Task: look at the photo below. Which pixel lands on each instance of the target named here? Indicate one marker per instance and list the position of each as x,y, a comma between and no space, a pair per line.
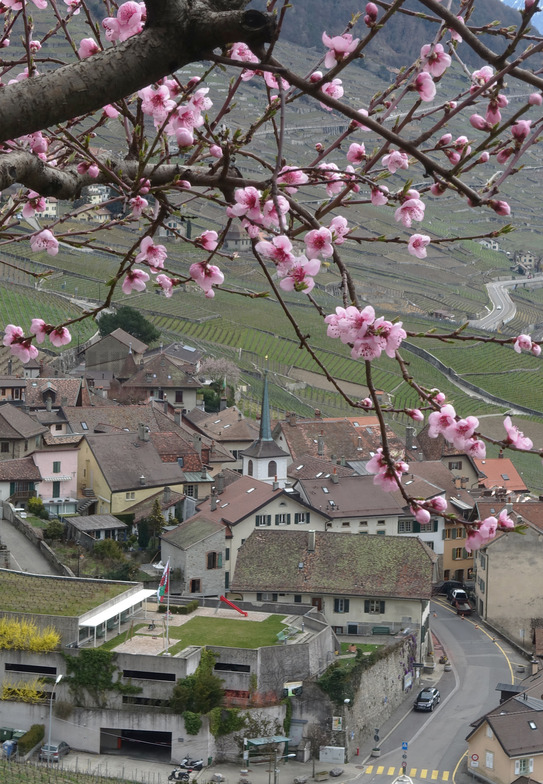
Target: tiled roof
138,346
530,511
123,458
145,507
238,500
309,467
16,424
499,472
340,564
23,468
164,373
170,446
192,531
51,440
99,522
63,391
351,495
512,728
430,478
11,382
224,425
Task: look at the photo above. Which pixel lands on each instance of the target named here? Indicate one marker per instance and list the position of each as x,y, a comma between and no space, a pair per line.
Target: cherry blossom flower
151,254
438,188
396,160
369,335
110,111
74,5
438,503
35,203
129,21
40,329
348,323
521,129
134,280
87,48
504,154
515,437
421,514
479,123
356,153
206,276
292,178
387,477
299,276
319,243
334,90
279,249
481,77
138,204
34,46
207,240
371,14
215,151
247,204
493,114
504,521
379,196
417,245
88,168
269,211
156,103
481,534
411,210
415,414
60,336
338,48
500,207
46,241
339,229
199,102
356,124
435,59
424,85
523,342
535,99
20,346
536,349
241,52
166,284
334,182
440,421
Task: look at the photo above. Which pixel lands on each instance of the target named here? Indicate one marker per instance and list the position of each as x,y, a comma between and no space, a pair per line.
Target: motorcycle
178,774
189,764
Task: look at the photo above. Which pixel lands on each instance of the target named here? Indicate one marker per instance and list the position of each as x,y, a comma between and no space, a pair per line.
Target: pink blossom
536,349
454,35
292,178
110,111
247,203
339,47
521,129
315,77
356,124
334,90
367,403
379,196
207,240
269,211
74,6
421,514
299,276
60,336
424,85
481,535
371,14
87,48
396,160
380,336
435,59
128,22
241,52
215,151
438,188
479,123
334,182
482,76
85,167
484,157
411,210
438,503
252,230
535,99
138,204
34,46
515,437
417,245
40,329
440,421
445,140
387,477
166,284
319,243
523,342
200,101
156,103
144,186
151,254
356,153
206,276
46,241
279,250
500,207
415,414
134,280
19,345
504,521
339,229
504,154
35,203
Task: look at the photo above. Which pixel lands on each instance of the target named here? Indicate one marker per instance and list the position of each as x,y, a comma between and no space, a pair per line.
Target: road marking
369,769
412,772
435,774
391,771
380,769
445,775
423,773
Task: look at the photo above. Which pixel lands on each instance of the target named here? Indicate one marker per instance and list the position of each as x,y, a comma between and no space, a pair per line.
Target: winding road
503,308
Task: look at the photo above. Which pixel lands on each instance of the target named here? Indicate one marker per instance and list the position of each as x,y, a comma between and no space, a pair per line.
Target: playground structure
231,604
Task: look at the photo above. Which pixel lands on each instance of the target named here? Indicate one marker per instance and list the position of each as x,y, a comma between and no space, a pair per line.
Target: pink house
58,488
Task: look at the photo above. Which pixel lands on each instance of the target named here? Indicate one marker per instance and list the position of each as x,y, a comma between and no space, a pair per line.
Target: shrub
25,636
108,549
192,722
24,691
54,529
35,505
31,738
223,721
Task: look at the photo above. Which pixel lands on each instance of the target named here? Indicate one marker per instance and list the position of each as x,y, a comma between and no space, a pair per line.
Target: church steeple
265,422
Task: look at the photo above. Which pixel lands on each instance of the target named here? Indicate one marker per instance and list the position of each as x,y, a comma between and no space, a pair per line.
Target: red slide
226,601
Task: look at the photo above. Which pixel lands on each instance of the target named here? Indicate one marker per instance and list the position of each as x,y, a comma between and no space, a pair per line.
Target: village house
12,390
197,549
20,434
18,480
227,427
112,351
162,379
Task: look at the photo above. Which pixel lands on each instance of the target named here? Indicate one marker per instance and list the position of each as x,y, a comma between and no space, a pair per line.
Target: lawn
228,632
365,647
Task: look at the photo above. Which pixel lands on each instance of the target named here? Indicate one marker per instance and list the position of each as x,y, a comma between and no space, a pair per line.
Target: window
39,669
191,491
214,560
405,526
178,396
455,465
226,667
26,445
482,560
56,467
227,554
374,606
4,447
345,525
149,675
195,586
380,533
489,733
460,533
58,427
338,629
341,605
523,766
297,598
481,584
447,533
426,527
363,523
489,760
266,597
301,517
263,520
130,496
250,468
272,468
282,519
226,580
457,554
380,522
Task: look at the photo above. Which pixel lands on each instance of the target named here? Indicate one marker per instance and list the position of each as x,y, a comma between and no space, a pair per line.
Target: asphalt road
25,557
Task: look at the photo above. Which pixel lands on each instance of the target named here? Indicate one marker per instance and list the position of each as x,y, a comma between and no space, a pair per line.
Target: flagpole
168,609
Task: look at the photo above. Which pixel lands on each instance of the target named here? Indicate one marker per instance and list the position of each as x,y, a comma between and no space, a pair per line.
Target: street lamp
58,680
276,760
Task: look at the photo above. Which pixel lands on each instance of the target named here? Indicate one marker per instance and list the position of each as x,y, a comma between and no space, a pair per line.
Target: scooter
178,774
189,764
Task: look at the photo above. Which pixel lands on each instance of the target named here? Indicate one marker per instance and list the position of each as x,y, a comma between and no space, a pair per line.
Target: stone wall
35,537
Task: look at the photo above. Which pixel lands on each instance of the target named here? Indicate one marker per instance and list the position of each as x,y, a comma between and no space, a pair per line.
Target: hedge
31,739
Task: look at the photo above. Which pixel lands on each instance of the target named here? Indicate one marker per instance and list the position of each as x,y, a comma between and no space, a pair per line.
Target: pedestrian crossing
420,773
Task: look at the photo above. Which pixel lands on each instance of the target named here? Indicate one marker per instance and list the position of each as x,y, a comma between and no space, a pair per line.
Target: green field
29,773
227,632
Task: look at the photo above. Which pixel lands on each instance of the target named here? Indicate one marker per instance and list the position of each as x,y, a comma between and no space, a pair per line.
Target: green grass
364,647
227,632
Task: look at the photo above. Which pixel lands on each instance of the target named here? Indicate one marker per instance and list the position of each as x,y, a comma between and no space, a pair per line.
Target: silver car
54,752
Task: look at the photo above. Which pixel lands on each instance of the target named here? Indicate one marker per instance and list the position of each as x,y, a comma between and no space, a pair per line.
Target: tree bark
178,32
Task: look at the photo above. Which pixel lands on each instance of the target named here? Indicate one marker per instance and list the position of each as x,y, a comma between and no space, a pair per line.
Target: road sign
376,737
404,756
475,757
404,746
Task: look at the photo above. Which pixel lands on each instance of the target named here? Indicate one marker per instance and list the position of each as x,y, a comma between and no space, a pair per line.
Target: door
317,602
56,489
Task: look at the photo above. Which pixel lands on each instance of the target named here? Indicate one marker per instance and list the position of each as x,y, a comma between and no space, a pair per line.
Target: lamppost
276,760
58,680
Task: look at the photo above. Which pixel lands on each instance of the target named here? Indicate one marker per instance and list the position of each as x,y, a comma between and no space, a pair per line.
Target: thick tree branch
178,33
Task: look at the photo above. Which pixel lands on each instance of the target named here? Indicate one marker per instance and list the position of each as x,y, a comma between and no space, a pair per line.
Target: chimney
177,416
197,443
332,458
343,461
48,403
534,666
143,432
10,367
167,494
220,483
240,416
500,453
409,437
464,482
320,444
318,414
222,404
292,419
213,501
165,406
203,473
311,541
334,477
142,480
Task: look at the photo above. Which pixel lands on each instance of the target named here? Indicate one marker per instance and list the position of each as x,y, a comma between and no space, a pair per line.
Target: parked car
462,608
427,700
444,588
54,752
458,595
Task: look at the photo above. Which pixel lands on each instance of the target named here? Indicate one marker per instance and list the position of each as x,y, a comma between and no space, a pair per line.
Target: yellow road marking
423,773
391,771
435,774
412,772
445,776
380,769
369,769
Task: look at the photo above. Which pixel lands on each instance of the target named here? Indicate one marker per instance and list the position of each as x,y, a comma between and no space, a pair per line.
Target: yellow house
118,470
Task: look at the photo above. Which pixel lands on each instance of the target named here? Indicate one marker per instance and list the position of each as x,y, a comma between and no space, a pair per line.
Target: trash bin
209,761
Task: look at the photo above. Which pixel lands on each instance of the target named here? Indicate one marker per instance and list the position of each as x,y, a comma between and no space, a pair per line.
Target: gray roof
95,522
340,564
193,531
350,495
21,468
15,424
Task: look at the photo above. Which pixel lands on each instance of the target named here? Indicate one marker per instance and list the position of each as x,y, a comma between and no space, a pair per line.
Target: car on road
462,608
444,588
458,595
427,700
54,751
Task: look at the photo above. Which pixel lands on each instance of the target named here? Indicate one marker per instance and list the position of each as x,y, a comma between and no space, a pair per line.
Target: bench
380,630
